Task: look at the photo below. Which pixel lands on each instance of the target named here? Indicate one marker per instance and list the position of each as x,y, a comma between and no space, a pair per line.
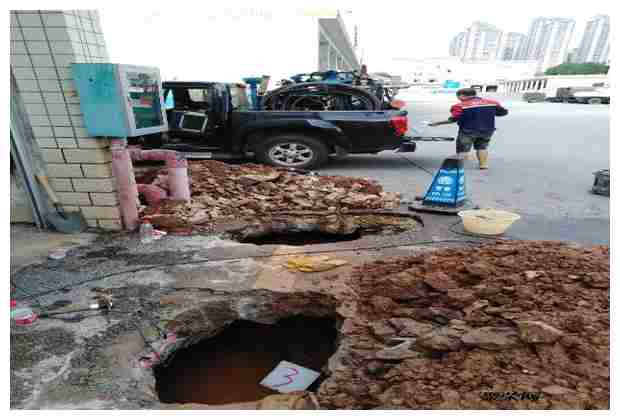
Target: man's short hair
466,92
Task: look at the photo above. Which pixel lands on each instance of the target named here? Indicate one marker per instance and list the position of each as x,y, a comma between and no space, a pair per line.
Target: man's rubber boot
483,158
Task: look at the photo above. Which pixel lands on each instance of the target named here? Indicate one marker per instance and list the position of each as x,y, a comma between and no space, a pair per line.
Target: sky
407,29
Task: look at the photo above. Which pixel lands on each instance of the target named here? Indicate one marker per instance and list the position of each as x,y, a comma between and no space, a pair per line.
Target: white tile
62,47
74,109
23,73
49,85
91,50
20,60
31,98
80,132
47,143
71,20
63,131
64,73
101,39
65,60
27,86
58,34
77,120
38,47
34,34
46,73
66,143
42,60
42,132
29,19
57,109
35,109
14,22
54,19
97,25
16,34
39,120
53,98
18,47
60,120
74,35
78,48
91,38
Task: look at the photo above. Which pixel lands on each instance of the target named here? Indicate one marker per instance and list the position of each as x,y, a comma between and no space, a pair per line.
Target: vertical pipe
178,180
122,169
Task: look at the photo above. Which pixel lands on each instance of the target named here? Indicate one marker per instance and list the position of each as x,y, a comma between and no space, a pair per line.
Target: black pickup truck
213,120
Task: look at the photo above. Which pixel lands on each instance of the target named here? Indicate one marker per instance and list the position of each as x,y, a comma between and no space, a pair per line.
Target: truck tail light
400,124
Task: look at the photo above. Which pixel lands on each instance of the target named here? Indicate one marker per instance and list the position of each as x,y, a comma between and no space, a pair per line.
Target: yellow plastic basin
487,221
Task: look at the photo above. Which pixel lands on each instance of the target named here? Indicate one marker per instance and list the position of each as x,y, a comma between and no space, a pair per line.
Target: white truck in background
582,95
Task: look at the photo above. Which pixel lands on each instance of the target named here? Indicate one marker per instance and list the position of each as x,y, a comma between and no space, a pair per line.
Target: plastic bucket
487,221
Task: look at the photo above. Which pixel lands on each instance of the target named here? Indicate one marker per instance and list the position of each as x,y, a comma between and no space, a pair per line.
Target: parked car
212,120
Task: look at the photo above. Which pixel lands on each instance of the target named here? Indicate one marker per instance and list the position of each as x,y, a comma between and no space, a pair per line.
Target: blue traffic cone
447,192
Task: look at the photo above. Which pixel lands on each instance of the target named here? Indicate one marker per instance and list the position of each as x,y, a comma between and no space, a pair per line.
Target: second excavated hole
228,368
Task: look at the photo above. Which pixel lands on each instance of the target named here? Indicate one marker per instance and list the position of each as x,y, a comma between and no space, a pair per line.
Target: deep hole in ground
228,367
300,238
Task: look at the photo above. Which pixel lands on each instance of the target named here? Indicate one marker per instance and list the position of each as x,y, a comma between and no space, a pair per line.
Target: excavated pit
300,238
228,367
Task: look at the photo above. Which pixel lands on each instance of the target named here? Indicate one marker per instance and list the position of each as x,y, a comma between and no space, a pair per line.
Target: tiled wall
43,45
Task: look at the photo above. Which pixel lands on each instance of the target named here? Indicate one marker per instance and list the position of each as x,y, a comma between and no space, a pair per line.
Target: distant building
549,85
482,42
594,46
486,75
512,46
547,41
457,46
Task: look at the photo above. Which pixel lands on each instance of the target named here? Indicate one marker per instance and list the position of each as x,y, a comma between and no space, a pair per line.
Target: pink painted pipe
122,169
178,180
152,193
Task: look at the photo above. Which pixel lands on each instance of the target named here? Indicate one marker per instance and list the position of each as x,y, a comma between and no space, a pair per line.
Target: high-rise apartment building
512,46
482,42
594,46
547,41
457,45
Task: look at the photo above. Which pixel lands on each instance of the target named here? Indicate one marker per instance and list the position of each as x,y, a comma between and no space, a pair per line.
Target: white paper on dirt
289,377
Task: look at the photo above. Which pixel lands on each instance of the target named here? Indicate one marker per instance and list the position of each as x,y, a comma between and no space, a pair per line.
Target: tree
577,68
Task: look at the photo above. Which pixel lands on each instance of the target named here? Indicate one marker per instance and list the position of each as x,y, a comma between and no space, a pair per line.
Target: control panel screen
144,97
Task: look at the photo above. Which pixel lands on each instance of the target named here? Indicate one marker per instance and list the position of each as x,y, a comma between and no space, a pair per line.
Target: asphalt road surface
542,159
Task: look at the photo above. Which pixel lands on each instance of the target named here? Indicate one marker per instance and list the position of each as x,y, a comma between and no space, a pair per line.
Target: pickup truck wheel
292,151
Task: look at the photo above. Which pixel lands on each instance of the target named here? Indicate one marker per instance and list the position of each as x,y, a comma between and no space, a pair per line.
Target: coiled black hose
319,96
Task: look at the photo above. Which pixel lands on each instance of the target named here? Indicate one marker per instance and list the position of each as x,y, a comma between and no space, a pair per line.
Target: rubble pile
438,330
221,191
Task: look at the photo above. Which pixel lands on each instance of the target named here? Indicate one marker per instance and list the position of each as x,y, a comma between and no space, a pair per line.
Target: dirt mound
526,321
232,192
